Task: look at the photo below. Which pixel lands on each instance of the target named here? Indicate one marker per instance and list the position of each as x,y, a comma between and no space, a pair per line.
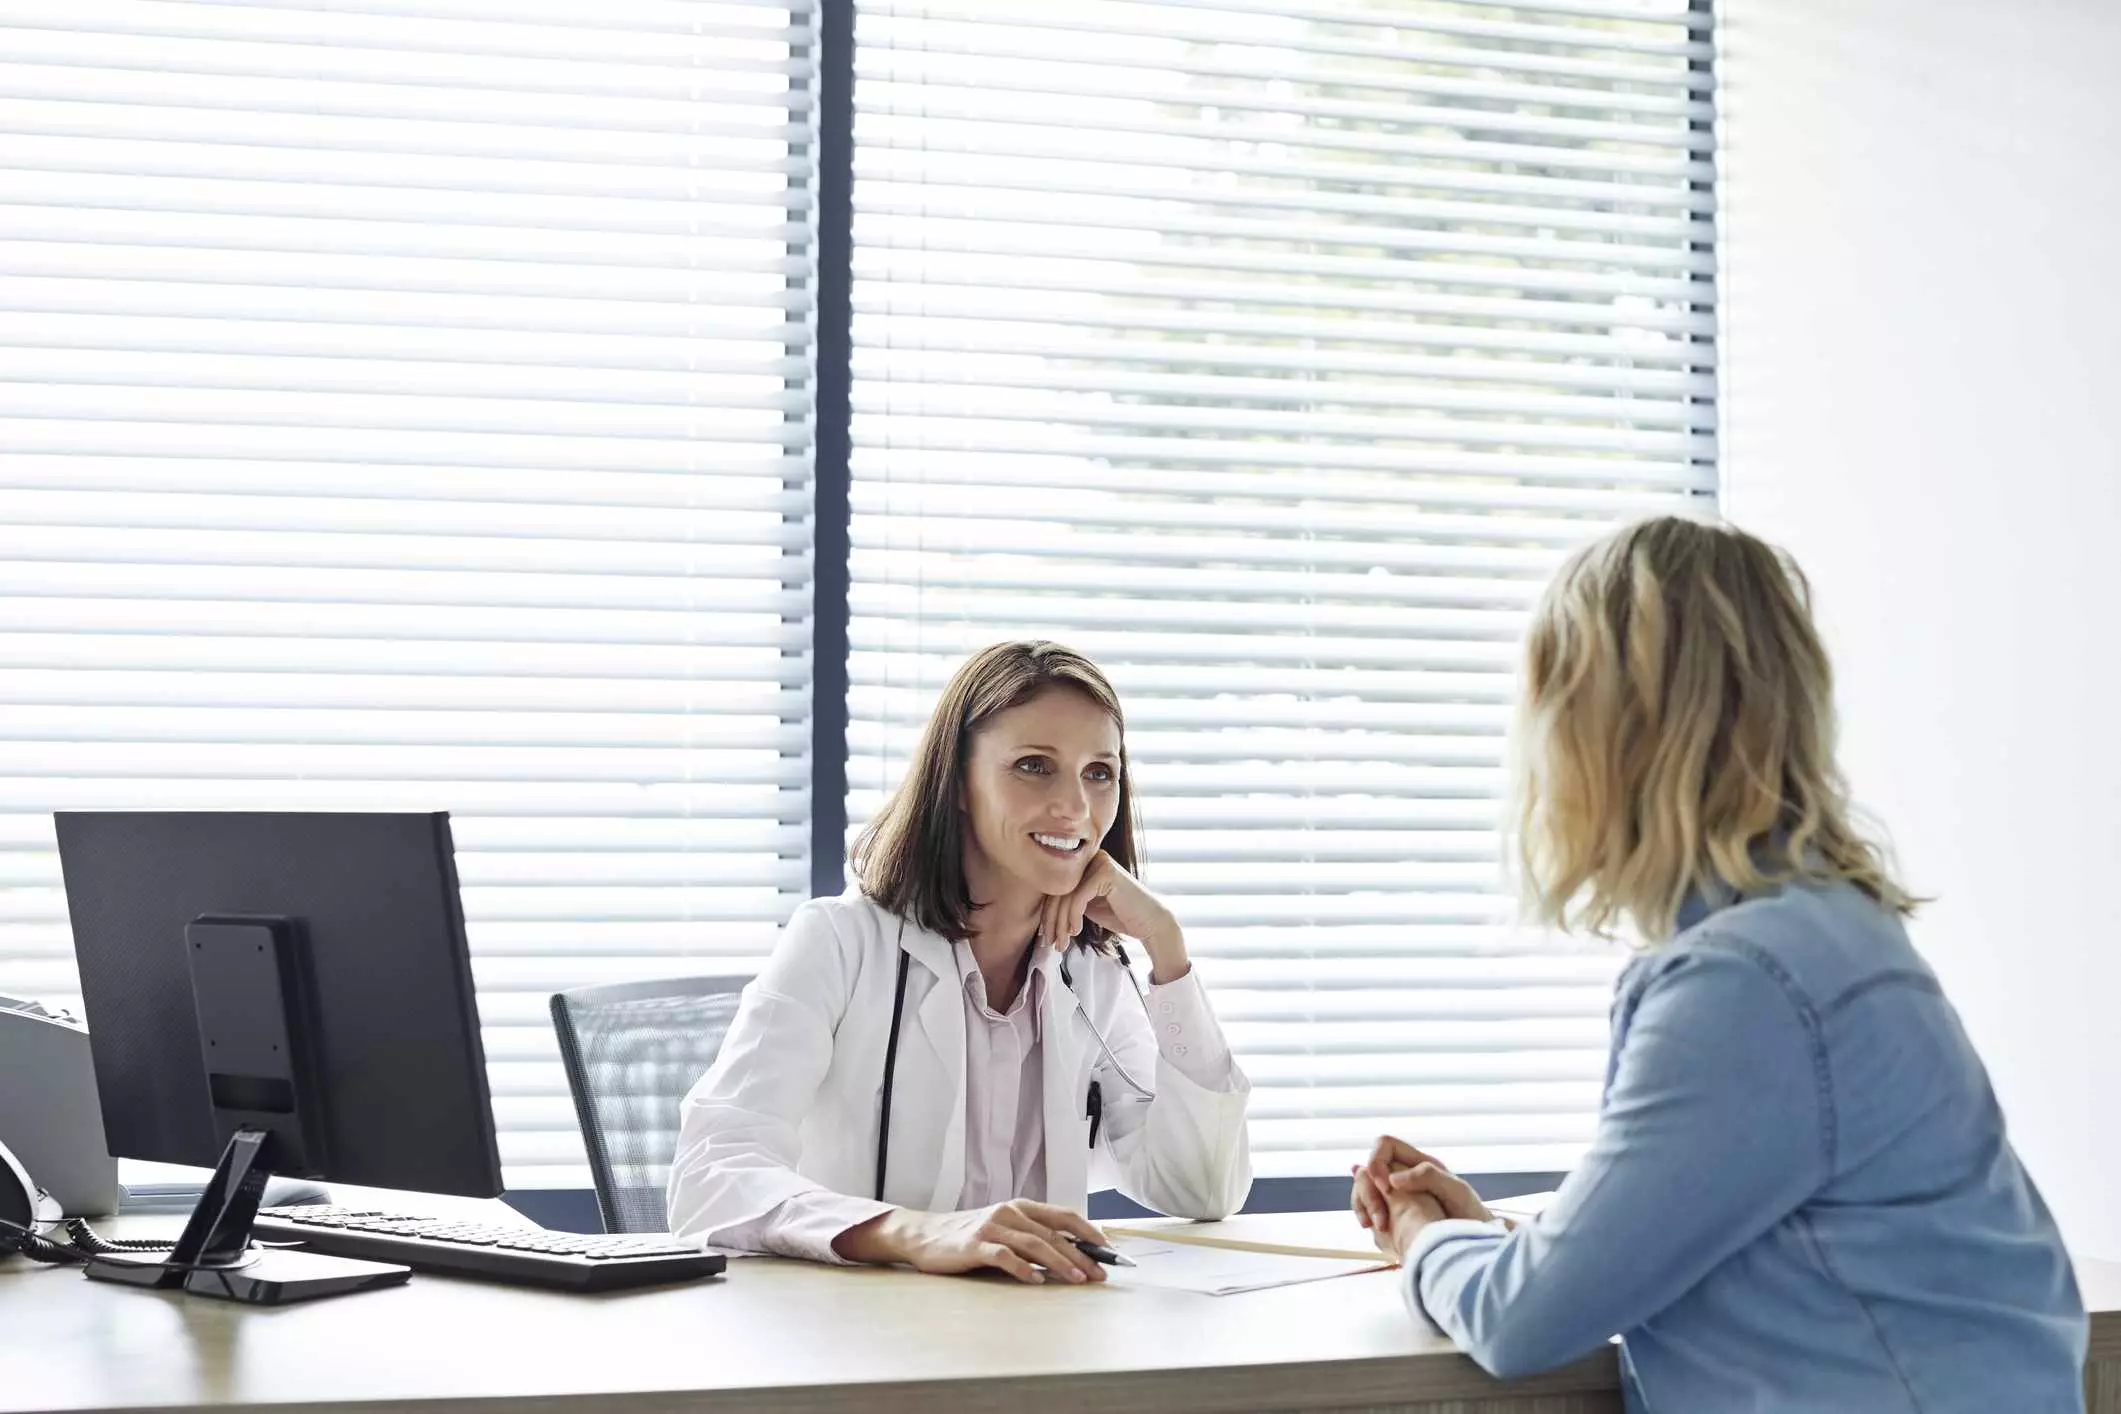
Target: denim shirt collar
1715,894
1699,904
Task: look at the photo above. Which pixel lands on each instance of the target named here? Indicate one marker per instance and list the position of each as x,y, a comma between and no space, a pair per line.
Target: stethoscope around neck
898,1013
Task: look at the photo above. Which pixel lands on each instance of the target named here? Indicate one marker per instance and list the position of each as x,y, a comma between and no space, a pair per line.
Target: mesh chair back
632,1050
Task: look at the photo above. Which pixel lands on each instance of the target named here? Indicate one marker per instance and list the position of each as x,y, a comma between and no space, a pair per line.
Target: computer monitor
279,993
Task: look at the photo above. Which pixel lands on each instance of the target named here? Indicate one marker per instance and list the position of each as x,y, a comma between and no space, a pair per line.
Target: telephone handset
25,1209
34,1224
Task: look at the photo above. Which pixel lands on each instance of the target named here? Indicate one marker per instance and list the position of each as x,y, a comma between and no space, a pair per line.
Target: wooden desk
784,1336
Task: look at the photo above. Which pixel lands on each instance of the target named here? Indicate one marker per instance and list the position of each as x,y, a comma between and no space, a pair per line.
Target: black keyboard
492,1251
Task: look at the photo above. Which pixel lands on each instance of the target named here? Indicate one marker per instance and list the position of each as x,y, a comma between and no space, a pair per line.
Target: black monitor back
391,1021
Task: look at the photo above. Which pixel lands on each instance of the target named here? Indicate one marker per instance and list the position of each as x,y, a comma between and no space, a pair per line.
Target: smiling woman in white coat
936,1067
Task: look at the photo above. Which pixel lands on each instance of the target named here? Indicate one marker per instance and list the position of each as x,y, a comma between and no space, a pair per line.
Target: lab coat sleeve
805,1227
1186,1152
1715,1129
739,1130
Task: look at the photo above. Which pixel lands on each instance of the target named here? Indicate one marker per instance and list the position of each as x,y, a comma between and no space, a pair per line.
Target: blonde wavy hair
1676,734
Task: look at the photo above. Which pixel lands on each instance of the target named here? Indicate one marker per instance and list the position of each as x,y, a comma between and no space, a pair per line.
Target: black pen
1098,1252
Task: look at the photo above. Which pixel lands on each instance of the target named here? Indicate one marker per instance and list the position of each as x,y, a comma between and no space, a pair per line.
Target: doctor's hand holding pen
1030,1241
1400,1190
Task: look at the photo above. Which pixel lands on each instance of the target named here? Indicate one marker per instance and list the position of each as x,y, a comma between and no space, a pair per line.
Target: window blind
403,406
1273,353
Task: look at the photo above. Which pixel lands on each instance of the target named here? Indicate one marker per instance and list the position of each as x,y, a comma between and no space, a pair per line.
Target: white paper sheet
1219,1271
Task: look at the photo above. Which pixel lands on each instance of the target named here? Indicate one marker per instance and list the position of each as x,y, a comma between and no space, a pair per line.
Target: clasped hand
1400,1190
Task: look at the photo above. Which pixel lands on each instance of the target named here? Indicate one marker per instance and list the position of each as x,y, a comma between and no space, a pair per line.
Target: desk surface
777,1336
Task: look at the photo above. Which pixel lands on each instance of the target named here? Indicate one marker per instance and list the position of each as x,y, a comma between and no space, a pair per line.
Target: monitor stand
249,985
214,1256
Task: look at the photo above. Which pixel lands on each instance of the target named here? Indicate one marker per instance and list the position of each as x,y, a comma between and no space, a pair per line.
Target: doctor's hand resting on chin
1115,901
936,1067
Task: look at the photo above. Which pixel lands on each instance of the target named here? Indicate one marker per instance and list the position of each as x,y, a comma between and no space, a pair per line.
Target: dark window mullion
832,441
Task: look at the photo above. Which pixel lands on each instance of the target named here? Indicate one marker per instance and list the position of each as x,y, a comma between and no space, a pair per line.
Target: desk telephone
33,1224
23,1205
53,1166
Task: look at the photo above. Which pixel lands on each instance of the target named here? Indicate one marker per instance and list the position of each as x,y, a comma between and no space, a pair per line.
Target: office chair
632,1050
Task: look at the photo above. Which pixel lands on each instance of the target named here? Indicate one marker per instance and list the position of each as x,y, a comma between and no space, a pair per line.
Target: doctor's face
1042,786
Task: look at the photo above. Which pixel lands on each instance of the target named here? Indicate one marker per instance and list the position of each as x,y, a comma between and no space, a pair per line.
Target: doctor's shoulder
825,945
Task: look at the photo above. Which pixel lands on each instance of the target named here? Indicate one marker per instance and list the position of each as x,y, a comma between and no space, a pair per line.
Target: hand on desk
1018,1237
1401,1190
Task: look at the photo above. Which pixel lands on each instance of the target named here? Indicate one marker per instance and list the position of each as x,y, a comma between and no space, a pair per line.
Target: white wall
1922,355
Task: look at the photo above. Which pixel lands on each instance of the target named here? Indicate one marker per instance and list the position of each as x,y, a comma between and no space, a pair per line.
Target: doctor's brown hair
911,858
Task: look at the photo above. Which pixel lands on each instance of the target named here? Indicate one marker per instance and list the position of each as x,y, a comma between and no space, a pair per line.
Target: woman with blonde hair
935,1067
1800,1195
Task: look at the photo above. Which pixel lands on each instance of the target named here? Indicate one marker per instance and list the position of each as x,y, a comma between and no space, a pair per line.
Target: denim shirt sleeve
1717,1125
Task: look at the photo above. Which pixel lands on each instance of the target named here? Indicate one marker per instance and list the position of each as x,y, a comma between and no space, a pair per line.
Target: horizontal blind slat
1668,317
909,418
1675,474
124,52
295,339
1494,88
954,310
706,489
985,134
440,38
1323,490
1281,21
904,239
62,115
938,354
1663,132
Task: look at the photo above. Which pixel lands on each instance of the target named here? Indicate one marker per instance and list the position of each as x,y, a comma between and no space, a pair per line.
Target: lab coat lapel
941,1021
1064,1036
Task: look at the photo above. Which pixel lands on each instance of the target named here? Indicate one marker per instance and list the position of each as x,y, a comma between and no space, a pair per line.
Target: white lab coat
792,1101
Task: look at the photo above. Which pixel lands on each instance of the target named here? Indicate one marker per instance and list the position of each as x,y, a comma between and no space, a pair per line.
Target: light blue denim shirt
1800,1197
